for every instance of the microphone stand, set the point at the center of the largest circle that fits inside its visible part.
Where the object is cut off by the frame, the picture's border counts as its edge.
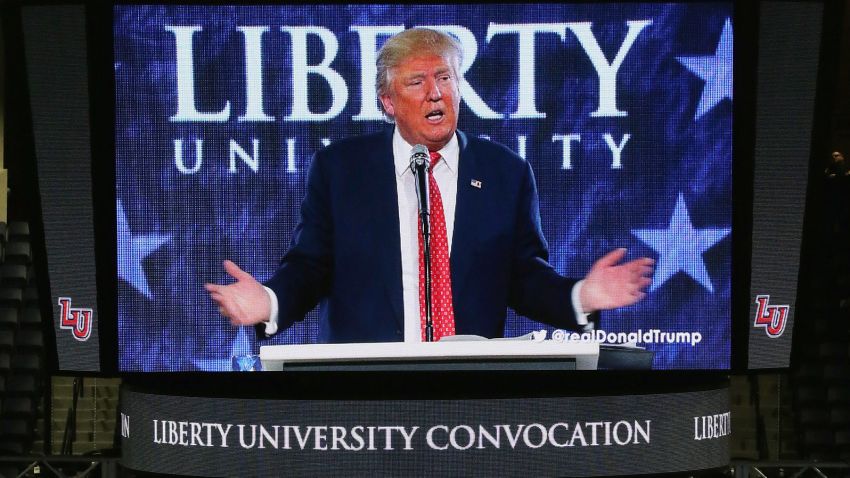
(419, 165)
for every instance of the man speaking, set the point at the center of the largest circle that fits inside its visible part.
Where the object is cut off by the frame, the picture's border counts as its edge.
(357, 248)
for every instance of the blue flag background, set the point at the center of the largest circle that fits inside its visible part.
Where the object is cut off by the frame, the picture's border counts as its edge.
(652, 173)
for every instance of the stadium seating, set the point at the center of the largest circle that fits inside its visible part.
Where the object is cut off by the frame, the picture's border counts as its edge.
(820, 369)
(21, 346)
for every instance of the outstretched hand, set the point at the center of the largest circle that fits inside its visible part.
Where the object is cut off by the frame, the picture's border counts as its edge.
(609, 285)
(245, 302)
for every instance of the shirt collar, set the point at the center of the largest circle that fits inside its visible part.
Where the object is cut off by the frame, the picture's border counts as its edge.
(401, 153)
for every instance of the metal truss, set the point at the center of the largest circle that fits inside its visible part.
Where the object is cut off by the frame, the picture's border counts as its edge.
(790, 469)
(59, 465)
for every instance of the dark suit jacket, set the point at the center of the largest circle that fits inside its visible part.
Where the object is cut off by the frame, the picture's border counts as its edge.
(345, 251)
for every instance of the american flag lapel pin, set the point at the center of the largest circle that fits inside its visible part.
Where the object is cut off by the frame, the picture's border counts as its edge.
(476, 183)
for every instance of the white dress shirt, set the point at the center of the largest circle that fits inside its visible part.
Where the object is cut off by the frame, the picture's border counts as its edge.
(446, 174)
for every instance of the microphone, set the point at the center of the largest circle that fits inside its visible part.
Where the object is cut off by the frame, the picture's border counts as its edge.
(418, 156)
(419, 165)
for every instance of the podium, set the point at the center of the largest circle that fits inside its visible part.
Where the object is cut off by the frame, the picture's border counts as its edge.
(496, 354)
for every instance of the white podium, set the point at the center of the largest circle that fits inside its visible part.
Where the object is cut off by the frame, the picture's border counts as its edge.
(449, 355)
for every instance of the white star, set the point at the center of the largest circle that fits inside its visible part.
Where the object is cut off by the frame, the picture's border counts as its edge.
(131, 251)
(715, 70)
(680, 247)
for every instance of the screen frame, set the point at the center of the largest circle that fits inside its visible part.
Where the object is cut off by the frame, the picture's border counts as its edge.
(102, 98)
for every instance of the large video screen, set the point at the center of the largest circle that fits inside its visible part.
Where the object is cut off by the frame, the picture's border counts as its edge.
(623, 111)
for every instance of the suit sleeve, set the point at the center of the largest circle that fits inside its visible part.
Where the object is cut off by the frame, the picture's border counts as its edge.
(304, 273)
(536, 290)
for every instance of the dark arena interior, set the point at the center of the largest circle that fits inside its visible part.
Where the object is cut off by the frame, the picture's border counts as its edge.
(481, 239)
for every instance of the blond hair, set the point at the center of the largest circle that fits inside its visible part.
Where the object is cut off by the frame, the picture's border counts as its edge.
(409, 43)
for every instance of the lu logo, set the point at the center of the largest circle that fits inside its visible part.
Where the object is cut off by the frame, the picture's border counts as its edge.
(771, 317)
(78, 320)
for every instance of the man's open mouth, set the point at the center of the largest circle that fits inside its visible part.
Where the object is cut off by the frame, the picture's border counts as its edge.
(435, 115)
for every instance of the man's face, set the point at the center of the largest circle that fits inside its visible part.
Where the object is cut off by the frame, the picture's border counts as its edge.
(423, 98)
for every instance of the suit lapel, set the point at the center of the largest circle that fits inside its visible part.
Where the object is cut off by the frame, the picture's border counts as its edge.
(469, 201)
(385, 202)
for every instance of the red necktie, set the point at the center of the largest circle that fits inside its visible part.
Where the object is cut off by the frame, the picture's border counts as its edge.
(442, 311)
